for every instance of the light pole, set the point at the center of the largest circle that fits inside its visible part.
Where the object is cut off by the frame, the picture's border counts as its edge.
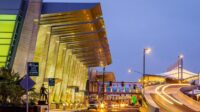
(199, 77)
(103, 80)
(180, 65)
(146, 51)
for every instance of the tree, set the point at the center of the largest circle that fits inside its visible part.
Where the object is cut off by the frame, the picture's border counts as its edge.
(10, 90)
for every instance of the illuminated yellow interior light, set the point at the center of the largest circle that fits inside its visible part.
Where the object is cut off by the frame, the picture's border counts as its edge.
(7, 26)
(3, 59)
(5, 41)
(8, 17)
(2, 64)
(5, 35)
(4, 50)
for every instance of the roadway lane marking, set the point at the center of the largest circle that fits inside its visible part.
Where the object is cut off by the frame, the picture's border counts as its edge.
(158, 93)
(173, 99)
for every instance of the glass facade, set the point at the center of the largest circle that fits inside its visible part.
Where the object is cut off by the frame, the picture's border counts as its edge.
(7, 30)
(12, 13)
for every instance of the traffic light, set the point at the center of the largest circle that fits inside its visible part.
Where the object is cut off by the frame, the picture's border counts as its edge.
(122, 83)
(110, 84)
(134, 86)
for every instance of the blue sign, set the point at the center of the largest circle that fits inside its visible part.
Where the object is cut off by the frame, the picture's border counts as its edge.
(33, 68)
(76, 89)
(51, 81)
(27, 83)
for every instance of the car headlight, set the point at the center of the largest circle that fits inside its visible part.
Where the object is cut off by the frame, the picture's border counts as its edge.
(102, 105)
(122, 105)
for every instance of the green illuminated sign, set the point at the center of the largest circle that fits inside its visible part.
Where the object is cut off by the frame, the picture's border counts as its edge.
(134, 100)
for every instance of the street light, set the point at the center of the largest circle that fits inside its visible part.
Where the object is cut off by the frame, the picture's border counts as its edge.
(131, 71)
(181, 56)
(103, 80)
(145, 52)
(199, 78)
(180, 65)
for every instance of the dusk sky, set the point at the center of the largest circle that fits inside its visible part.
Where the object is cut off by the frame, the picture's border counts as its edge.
(169, 27)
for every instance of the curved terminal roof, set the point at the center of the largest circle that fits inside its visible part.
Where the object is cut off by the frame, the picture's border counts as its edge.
(174, 73)
(82, 31)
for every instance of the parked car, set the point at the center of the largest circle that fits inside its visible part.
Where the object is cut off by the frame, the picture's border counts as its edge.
(93, 105)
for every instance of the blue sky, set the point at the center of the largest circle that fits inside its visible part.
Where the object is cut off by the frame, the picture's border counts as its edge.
(169, 27)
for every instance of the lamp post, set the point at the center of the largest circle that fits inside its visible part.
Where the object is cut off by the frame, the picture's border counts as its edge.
(146, 51)
(103, 81)
(180, 65)
(199, 78)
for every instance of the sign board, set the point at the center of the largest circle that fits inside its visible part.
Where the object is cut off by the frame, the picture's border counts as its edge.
(27, 83)
(51, 81)
(33, 68)
(76, 89)
(134, 100)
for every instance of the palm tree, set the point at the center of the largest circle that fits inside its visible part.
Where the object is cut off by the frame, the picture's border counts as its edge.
(10, 90)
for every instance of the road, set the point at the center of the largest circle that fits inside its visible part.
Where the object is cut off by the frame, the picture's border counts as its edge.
(128, 109)
(168, 98)
(125, 109)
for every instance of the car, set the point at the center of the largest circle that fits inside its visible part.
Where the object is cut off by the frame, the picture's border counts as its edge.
(93, 105)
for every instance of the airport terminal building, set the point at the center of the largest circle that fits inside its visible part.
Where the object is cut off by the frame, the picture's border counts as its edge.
(65, 38)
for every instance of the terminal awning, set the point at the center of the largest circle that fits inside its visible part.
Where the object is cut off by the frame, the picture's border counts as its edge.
(83, 32)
